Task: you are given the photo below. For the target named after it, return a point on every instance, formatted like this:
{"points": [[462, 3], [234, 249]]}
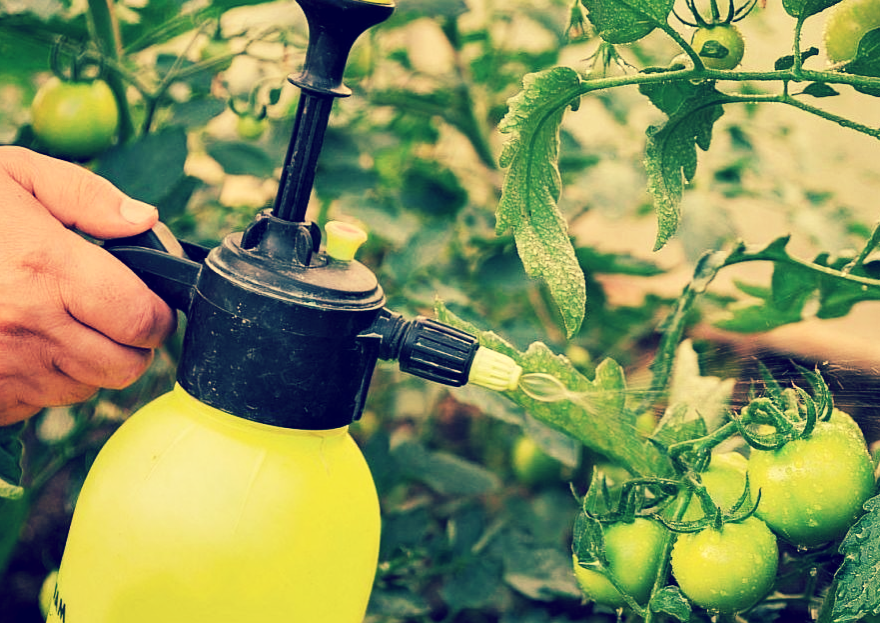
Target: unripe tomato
{"points": [[724, 479], [249, 127], [532, 465], [727, 570], [634, 553], [75, 120], [845, 26], [812, 489], [720, 47]]}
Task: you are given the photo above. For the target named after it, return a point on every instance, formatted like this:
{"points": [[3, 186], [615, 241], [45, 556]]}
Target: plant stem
{"points": [[103, 20], [865, 252]]}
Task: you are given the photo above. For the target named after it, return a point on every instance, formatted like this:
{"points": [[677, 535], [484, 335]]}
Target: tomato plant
{"points": [[813, 488], [634, 554], [75, 119], [727, 569], [413, 155]]}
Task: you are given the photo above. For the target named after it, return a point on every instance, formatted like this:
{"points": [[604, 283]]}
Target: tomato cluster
{"points": [[723, 529]]}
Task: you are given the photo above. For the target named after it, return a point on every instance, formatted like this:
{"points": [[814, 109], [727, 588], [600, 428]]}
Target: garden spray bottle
{"points": [[239, 497]]}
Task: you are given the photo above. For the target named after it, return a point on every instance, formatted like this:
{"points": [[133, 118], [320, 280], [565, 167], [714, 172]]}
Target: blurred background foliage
{"points": [[475, 494]]}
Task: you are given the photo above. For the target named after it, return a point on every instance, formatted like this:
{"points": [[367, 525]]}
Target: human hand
{"points": [[73, 318]]}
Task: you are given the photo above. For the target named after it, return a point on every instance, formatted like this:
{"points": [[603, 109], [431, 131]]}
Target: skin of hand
{"points": [[73, 318]]}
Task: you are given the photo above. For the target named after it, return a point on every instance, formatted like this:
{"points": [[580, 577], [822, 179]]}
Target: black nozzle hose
{"points": [[334, 26]]}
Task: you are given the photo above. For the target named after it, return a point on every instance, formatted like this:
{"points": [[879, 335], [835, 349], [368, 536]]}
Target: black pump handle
{"points": [[334, 26]]}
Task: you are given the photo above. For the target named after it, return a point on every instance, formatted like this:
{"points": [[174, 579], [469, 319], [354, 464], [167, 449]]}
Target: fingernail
{"points": [[135, 211]]}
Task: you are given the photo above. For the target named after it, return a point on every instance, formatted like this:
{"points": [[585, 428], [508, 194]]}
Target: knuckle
{"points": [[144, 326]]}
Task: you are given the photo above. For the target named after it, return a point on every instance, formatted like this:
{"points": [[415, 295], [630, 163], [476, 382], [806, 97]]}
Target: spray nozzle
{"points": [[441, 353]]}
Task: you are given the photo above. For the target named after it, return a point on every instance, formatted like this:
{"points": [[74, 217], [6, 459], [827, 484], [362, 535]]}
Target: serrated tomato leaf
{"points": [[626, 21], [532, 185], [670, 600], [596, 415], [795, 284], [858, 578], [671, 155]]}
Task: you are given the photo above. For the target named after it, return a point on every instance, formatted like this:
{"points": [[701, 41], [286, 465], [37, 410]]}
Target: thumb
{"points": [[76, 196]]}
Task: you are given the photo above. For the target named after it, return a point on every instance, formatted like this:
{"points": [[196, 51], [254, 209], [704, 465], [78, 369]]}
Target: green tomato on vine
{"points": [[634, 553], [813, 488], [727, 569], [75, 119], [846, 24], [719, 46]]}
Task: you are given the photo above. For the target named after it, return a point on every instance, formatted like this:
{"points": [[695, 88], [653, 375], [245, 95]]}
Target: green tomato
{"points": [[634, 553], [249, 127], [720, 47], [532, 465], [727, 570], [724, 479], [845, 26], [75, 120], [812, 489]]}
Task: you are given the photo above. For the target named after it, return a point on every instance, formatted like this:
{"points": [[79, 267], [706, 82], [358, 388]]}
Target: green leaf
{"points": [[819, 89], [802, 9], [787, 62], [858, 578], [542, 574], [670, 600], [241, 158], [596, 414], [149, 168], [626, 21], [474, 585], [867, 61], [671, 155], [669, 96], [10, 462], [588, 542], [795, 284], [531, 189], [445, 473]]}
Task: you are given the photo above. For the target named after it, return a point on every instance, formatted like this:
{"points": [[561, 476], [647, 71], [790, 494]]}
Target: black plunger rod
{"points": [[334, 25]]}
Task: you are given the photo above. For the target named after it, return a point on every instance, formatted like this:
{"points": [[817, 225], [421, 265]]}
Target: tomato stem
{"points": [[103, 21]]}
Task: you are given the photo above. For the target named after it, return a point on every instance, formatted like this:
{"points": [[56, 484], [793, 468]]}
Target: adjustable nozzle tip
{"points": [[494, 370]]}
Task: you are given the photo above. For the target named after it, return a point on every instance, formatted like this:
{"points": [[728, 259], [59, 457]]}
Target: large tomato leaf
{"points": [[802, 9], [532, 185], [670, 151], [858, 578], [595, 413], [835, 283], [625, 21]]}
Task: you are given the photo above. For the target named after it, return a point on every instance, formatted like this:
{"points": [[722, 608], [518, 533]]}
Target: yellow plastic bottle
{"points": [[192, 515]]}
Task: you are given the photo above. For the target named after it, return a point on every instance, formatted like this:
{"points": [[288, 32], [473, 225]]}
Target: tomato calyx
{"points": [[736, 11], [784, 415], [714, 516]]}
